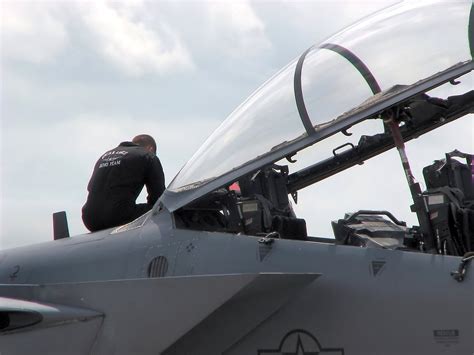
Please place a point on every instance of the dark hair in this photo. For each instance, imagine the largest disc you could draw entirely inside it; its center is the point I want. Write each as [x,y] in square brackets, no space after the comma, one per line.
[144,140]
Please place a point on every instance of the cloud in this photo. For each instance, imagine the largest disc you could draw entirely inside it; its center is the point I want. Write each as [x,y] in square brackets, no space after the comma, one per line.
[327,17]
[37,32]
[238,28]
[130,44]
[31,31]
[134,37]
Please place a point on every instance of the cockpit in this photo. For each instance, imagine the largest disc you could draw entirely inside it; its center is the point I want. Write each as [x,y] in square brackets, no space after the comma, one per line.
[367,89]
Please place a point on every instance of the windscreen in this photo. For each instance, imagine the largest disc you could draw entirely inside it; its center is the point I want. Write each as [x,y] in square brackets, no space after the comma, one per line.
[398,46]
[264,120]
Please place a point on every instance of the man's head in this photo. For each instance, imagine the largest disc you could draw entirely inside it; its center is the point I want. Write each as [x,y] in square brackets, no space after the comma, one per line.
[145,141]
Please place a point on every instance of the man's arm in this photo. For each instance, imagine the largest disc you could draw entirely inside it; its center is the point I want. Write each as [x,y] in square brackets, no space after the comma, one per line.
[154,181]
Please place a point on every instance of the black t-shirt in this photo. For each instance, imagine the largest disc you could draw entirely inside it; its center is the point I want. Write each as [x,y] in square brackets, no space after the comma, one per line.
[118,178]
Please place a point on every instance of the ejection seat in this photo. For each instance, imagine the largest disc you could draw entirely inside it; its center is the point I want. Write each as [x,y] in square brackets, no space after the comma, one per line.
[449,199]
[265,205]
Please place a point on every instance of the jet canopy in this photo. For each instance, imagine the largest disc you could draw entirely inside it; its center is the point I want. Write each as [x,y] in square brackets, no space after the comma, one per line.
[394,54]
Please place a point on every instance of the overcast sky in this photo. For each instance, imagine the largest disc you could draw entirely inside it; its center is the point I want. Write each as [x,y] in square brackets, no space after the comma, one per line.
[77,78]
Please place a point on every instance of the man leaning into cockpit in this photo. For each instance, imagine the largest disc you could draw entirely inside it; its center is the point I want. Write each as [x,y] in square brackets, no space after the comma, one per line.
[118,178]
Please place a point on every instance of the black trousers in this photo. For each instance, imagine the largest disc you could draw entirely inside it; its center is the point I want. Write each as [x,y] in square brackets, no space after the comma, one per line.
[98,217]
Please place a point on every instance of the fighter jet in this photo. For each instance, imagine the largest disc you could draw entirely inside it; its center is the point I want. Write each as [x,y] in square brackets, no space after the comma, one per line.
[223,265]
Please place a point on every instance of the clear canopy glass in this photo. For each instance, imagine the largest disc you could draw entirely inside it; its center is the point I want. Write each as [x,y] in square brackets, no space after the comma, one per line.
[400,45]
[264,120]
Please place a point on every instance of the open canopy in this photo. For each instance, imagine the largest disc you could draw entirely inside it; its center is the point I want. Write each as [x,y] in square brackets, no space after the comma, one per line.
[405,49]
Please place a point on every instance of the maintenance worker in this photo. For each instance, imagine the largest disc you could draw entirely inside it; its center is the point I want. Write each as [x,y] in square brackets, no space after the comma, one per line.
[118,179]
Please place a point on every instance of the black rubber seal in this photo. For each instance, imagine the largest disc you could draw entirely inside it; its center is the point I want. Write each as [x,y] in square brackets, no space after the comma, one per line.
[308,125]
[357,63]
[347,54]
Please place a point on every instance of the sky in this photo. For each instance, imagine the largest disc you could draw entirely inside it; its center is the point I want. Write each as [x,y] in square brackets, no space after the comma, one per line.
[79,77]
